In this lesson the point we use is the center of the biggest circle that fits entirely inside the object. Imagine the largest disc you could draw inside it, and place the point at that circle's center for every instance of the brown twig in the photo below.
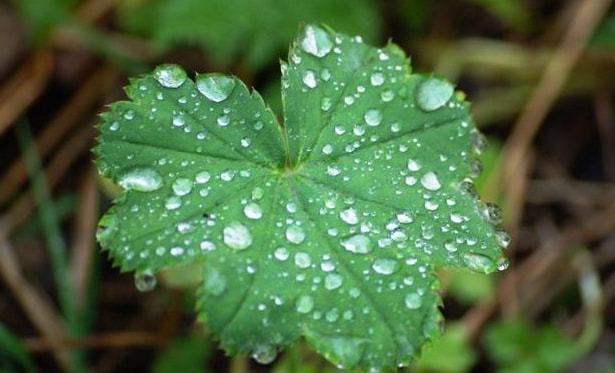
(107, 340)
(24, 88)
(81, 103)
(36, 305)
(605, 119)
(555, 76)
(85, 227)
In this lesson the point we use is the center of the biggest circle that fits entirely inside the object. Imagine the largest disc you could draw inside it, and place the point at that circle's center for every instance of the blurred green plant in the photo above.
(40, 16)
(186, 354)
(518, 347)
(13, 355)
(449, 353)
(255, 32)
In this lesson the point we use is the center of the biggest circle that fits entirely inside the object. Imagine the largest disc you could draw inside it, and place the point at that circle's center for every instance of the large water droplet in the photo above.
(430, 181)
(377, 79)
(316, 41)
(253, 211)
(303, 260)
(309, 78)
(295, 234)
(141, 179)
(170, 75)
(202, 177)
(433, 93)
(145, 281)
(237, 236)
(359, 244)
(493, 213)
(216, 87)
(503, 239)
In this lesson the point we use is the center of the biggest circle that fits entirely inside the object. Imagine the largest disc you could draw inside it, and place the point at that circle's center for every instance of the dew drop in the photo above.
(182, 186)
(377, 79)
(493, 214)
(333, 281)
(223, 120)
(281, 253)
(478, 262)
(202, 177)
(237, 236)
(502, 238)
(309, 79)
(216, 87)
(304, 304)
(359, 244)
(264, 354)
(413, 301)
(433, 93)
(430, 181)
(207, 246)
(173, 203)
(349, 216)
(253, 211)
(413, 165)
(373, 117)
(170, 75)
(141, 179)
(145, 281)
(316, 41)
(295, 234)
(303, 260)
(384, 266)
(214, 282)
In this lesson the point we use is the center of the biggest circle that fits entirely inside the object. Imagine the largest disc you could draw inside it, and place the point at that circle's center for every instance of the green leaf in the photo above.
(454, 345)
(255, 31)
(187, 354)
(329, 227)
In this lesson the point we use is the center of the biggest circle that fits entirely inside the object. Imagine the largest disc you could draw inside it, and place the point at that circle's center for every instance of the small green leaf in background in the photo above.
(468, 287)
(40, 16)
(516, 346)
(512, 12)
(255, 31)
(330, 227)
(187, 354)
(449, 353)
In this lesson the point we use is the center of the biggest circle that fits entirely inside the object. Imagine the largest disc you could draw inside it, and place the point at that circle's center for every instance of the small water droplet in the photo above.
(430, 181)
(253, 211)
(237, 236)
(281, 253)
(492, 213)
(173, 203)
(503, 239)
(264, 354)
(433, 93)
(373, 117)
(303, 260)
(202, 177)
(182, 186)
(377, 79)
(316, 41)
(359, 244)
(309, 78)
(295, 234)
(333, 281)
(216, 87)
(413, 165)
(304, 304)
(145, 281)
(207, 246)
(349, 216)
(413, 301)
(223, 120)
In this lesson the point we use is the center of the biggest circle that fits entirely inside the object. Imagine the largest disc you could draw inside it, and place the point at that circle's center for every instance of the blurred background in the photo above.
(540, 74)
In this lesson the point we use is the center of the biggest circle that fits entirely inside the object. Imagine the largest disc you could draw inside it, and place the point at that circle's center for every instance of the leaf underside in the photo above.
(329, 227)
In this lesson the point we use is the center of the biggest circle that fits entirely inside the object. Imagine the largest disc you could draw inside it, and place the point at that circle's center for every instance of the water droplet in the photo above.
(327, 149)
(295, 234)
(326, 103)
(303, 260)
(413, 165)
(304, 304)
(216, 87)
(253, 211)
(503, 264)
(145, 281)
(309, 78)
(182, 186)
(333, 281)
(141, 179)
(264, 354)
(223, 120)
(237, 236)
(202, 177)
(387, 96)
(377, 79)
(384, 266)
(502, 238)
(173, 203)
(349, 216)
(433, 93)
(478, 262)
(245, 142)
(430, 181)
(493, 214)
(214, 282)
(359, 244)
(316, 41)
(373, 117)
(176, 251)
(281, 253)
(405, 218)
(413, 301)
(170, 75)
(178, 121)
(207, 246)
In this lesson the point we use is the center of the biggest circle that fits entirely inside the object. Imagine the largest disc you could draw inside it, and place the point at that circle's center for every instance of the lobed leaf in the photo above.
(330, 226)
